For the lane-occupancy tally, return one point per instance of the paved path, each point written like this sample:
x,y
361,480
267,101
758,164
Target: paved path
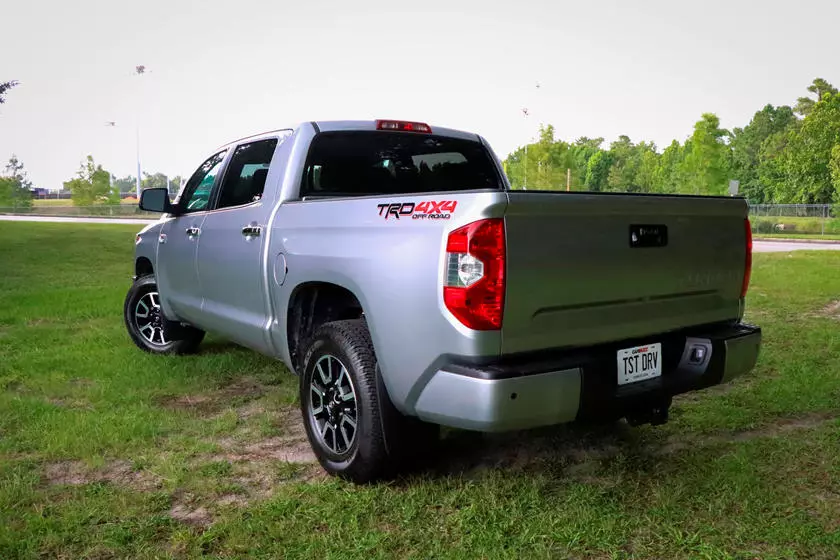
x,y
783,246
15,218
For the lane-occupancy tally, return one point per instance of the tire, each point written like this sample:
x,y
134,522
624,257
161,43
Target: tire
x,y
152,332
340,359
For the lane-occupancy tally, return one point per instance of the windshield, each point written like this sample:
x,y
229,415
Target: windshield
x,y
361,163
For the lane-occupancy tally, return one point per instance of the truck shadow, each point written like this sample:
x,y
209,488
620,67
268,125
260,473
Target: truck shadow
x,y
586,452
571,448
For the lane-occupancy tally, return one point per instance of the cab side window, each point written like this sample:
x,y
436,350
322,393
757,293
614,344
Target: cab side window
x,y
196,195
246,173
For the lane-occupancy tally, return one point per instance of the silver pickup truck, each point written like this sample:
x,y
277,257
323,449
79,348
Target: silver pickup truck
x,y
391,267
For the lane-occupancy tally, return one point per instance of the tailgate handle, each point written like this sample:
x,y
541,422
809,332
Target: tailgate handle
x,y
648,235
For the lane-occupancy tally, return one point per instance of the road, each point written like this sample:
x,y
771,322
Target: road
x,y
785,246
758,246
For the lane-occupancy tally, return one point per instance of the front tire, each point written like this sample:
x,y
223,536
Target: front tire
x,y
147,326
349,421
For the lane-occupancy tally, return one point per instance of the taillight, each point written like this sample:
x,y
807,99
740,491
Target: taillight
x,y
474,287
748,260
403,126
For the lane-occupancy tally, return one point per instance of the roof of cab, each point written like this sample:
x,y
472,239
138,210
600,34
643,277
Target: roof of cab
x,y
331,126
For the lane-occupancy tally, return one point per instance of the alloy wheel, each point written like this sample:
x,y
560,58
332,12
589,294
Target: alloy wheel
x,y
332,405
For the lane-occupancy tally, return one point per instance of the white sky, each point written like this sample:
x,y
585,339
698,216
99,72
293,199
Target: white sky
x,y
221,70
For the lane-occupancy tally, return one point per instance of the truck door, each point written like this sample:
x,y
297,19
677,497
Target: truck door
x,y
176,273
233,238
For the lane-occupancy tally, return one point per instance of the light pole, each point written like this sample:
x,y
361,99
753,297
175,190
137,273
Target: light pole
x,y
138,71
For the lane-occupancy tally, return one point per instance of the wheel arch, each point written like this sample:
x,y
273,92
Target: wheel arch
x,y
311,304
143,266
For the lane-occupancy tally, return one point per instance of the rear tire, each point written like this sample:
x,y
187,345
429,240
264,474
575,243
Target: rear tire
x,y
348,416
147,326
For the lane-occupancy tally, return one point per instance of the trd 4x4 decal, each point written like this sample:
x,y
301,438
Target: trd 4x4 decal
x,y
426,210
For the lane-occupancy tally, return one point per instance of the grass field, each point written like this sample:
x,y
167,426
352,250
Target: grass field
x,y
108,452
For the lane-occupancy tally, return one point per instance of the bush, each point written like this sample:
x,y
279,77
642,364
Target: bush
x,y
764,225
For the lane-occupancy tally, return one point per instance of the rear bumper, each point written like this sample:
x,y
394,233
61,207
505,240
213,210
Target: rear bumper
x,y
552,388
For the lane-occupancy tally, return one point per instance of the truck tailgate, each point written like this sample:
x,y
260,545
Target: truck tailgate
x,y
575,278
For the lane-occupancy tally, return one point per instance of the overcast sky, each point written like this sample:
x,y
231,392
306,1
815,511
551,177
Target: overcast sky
x,y
221,70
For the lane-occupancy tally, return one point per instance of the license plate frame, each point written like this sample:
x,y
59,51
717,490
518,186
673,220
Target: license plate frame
x,y
638,363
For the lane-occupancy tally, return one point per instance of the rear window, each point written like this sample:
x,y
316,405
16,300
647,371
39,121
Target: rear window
x,y
358,163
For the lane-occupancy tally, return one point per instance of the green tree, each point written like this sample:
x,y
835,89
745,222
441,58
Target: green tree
x,y
751,149
772,166
648,159
624,165
810,155
127,184
834,168
15,186
4,88
819,87
153,181
666,177
583,150
598,171
92,185
705,168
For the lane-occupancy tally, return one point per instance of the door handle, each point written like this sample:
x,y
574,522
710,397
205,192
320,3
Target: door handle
x,y
251,231
193,231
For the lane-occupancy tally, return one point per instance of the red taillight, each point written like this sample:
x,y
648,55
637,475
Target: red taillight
x,y
474,287
748,260
403,126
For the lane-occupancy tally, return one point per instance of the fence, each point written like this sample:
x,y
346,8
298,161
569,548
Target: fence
x,y
105,210
795,219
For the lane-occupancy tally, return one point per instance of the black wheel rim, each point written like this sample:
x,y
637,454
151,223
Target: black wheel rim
x,y
332,405
149,319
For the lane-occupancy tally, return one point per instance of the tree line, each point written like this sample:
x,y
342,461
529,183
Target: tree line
x,y
784,155
94,185
90,186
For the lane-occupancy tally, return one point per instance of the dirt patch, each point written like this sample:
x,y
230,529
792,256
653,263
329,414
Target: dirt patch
x,y
198,517
832,310
119,473
70,403
40,321
232,500
245,389
286,448
291,447
81,382
259,466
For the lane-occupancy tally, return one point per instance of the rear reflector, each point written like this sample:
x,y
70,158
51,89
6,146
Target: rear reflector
x,y
474,287
748,259
404,126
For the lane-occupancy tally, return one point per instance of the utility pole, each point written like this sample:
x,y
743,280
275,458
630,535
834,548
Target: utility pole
x,y
568,178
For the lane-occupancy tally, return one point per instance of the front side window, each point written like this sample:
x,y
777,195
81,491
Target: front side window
x,y
244,180
196,195
349,163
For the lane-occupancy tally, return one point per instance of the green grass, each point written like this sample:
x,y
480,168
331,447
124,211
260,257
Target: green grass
x,y
108,452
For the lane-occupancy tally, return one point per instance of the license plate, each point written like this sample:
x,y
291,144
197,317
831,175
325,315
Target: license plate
x,y
639,363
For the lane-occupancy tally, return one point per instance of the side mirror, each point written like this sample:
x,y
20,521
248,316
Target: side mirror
x,y
156,200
